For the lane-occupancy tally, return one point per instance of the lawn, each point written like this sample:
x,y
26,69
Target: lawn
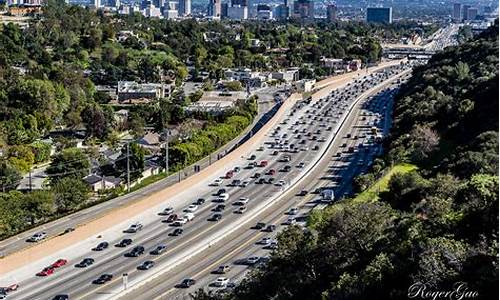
x,y
371,194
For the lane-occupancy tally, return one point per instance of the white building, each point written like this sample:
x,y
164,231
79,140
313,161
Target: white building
x,y
130,90
286,75
184,7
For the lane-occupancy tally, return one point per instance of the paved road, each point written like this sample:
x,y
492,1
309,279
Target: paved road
x,y
57,227
198,233
245,243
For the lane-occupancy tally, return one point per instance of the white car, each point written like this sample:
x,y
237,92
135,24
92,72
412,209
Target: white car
x,y
243,200
281,183
293,211
224,196
244,183
188,217
134,228
290,221
221,282
252,260
37,237
191,208
217,182
179,222
265,241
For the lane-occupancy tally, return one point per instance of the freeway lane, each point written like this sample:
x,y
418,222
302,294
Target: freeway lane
x,y
71,280
240,246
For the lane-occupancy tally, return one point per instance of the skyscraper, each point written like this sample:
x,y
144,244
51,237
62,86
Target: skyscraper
x,y
214,8
184,7
457,12
379,14
304,9
465,8
472,13
331,13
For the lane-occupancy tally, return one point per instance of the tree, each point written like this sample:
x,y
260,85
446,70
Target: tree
x,y
96,123
37,205
9,176
70,162
41,151
70,193
136,160
233,86
21,157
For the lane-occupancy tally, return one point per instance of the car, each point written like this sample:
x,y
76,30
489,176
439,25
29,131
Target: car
x,y
252,157
148,264
8,289
242,201
256,175
244,183
85,262
260,225
215,217
280,183
270,180
158,250
343,145
260,148
124,243
167,211
219,208
275,153
261,181
217,182
200,201
46,271
241,210
177,232
293,211
101,246
61,297
222,269
229,174
302,193
263,163
179,222
59,263
290,221
236,169
252,260
351,150
188,217
103,279
315,148
287,168
171,218
301,165
191,208
220,282
270,228
271,172
348,136
134,228
68,230
271,246
339,154
37,237
264,241
235,182
186,283
135,252
220,191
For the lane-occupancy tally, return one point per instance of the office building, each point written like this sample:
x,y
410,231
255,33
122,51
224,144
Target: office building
x,y
97,3
237,12
465,8
304,9
264,12
472,13
379,14
457,12
282,12
214,8
331,13
184,7
239,2
224,7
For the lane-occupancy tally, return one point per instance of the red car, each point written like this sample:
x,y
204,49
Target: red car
x,y
271,172
46,271
229,174
263,163
59,263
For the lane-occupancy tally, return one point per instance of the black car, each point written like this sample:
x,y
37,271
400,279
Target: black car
x,y
261,181
85,263
177,232
302,193
220,191
315,148
260,226
253,157
103,279
219,207
158,250
148,264
135,252
124,243
61,297
187,283
270,228
275,153
101,246
200,201
215,217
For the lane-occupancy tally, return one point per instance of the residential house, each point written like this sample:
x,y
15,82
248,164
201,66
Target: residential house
x,y
98,183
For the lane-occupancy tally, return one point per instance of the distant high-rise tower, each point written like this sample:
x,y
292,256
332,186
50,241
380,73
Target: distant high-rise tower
x,y
97,3
465,8
457,12
379,14
184,7
214,8
331,13
304,9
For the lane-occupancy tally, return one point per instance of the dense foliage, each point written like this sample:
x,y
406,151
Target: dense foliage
x,y
437,225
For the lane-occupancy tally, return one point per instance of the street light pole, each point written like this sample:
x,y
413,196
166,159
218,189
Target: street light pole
x,y
128,168
166,153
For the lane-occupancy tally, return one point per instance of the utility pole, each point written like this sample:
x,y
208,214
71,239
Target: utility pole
x,y
31,187
166,153
128,168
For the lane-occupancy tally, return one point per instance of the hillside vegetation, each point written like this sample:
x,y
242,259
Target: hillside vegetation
x,y
437,224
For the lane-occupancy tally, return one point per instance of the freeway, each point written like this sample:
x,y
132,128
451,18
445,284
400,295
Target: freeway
x,y
333,171
198,233
58,227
